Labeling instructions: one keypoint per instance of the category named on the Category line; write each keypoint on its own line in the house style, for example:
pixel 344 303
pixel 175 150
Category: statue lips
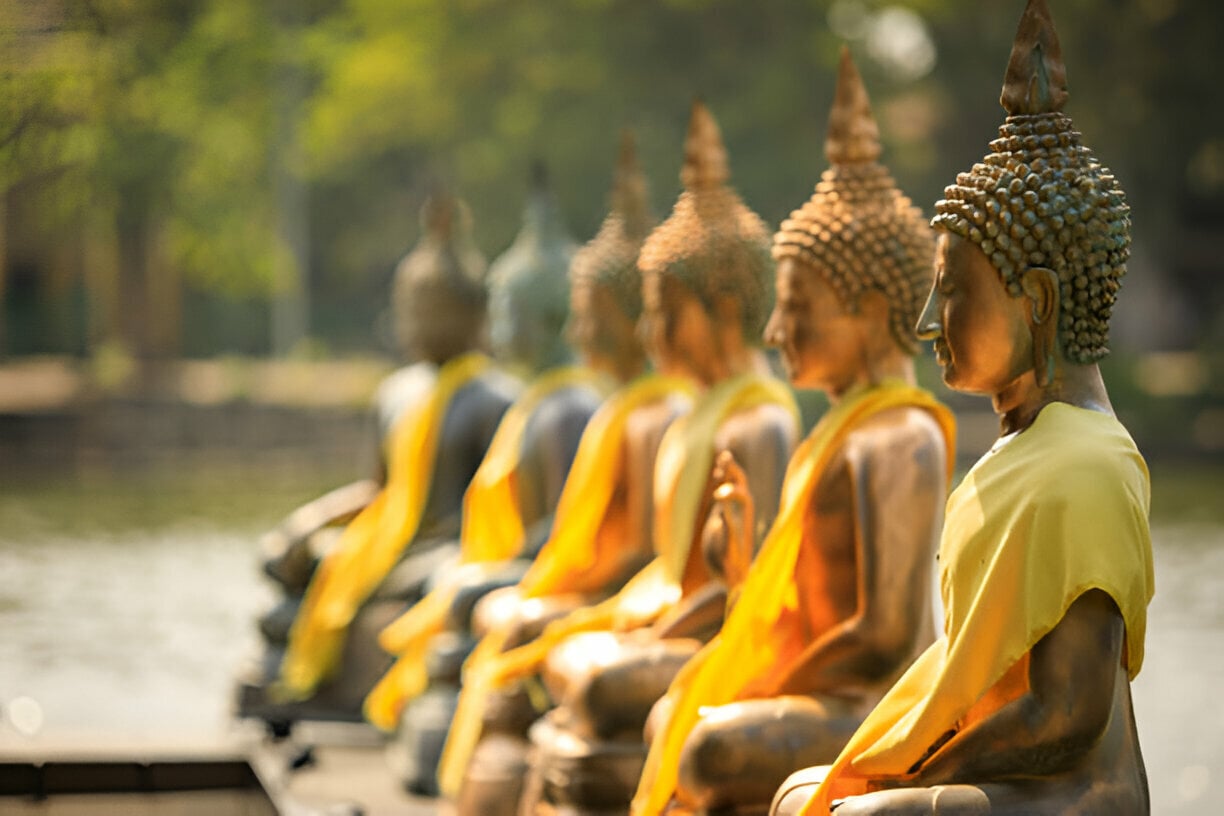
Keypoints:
pixel 942 356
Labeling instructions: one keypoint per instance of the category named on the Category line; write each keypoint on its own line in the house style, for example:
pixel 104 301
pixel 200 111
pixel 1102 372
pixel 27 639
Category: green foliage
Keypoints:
pixel 204 120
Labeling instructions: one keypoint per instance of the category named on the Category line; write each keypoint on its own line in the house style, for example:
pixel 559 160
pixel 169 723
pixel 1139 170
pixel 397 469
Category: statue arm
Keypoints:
pixel 551 443
pixel 761 444
pixel 897 478
pixel 1064 712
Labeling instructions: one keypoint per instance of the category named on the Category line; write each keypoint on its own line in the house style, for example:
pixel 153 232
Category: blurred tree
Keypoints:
pixel 279 150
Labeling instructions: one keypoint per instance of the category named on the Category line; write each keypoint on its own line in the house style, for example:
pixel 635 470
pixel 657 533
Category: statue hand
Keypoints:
pixel 729 529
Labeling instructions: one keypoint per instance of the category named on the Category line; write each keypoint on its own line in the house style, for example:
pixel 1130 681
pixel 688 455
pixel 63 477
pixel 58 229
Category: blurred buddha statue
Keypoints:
pixel 838 602
pixel 601 534
pixel 436 417
pixel 706 275
pixel 1024 705
pixel 509 505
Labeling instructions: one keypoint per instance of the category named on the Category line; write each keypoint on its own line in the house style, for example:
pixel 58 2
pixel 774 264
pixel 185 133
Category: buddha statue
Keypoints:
pixel 509 505
pixel 383 536
pixel 601 533
pixel 1024 704
pixel 837 603
pixel 706 275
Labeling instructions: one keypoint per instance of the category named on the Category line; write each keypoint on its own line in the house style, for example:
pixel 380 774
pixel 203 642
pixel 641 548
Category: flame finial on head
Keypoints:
pixel 1041 198
pixel 712 243
pixel 853 134
pixel 438 213
pixel 438 291
pixel 858 231
pixel 610 258
pixel 629 197
pixel 705 156
pixel 1036 79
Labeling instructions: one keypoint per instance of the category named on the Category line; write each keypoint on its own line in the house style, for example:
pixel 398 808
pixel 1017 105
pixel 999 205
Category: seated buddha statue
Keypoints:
pixel 601 532
pixel 436 416
pixel 706 275
pixel 509 505
pixel 837 603
pixel 1023 706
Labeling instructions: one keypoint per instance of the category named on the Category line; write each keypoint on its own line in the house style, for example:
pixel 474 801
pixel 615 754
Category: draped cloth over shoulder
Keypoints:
pixel 373 542
pixel 492 532
pixel 682 470
pixel 763 633
pixel 1057 510
pixel 571 553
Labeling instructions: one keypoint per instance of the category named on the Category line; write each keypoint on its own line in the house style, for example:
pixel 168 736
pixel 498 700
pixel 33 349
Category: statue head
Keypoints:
pixel 438 294
pixel 1045 216
pixel 706 271
pixel 605 285
pixel 854 262
pixel 528 288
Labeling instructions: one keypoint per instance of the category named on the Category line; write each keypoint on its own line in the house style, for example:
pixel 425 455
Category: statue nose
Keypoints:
pixel 929 325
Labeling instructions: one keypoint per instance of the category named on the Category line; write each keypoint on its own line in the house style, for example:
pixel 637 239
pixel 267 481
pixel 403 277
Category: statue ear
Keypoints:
pixel 873 304
pixel 727 310
pixel 1040 286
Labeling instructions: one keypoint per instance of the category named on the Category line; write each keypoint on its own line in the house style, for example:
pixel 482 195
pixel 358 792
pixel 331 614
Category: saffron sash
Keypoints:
pixel 492 532
pixel 570 553
pixel 682 470
pixel 757 638
pixel 1048 514
pixel 374 540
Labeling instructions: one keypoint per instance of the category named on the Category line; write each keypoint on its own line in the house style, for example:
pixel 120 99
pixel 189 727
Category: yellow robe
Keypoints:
pixel 570 554
pixel 492 532
pixel 1048 514
pixel 682 470
pixel 763 633
pixel 373 542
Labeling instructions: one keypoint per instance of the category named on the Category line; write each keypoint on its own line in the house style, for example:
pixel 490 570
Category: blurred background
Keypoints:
pixel 202 203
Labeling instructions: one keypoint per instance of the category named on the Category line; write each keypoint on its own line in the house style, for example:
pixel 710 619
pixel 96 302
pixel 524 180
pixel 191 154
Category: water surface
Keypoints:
pixel 127 605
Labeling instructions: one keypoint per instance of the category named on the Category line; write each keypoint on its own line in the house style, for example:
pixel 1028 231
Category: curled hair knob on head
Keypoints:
pixel 1041 198
pixel 712 242
pixel 857 231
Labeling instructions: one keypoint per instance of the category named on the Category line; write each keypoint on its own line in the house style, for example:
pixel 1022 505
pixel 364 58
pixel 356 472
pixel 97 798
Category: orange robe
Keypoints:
pixel 492 532
pixel 372 543
pixel 765 631
pixel 571 559
pixel 682 471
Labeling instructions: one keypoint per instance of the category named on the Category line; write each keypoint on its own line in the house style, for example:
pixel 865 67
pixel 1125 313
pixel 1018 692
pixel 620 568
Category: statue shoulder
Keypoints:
pixel 565 410
pixel 905 433
pixel 401 388
pixel 650 421
pixel 766 426
pixel 483 400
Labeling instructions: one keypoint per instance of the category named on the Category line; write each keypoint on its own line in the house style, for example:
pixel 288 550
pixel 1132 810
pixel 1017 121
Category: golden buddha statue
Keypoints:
pixel 837 603
pixel 383 536
pixel 509 504
pixel 601 533
pixel 1024 705
pixel 705 289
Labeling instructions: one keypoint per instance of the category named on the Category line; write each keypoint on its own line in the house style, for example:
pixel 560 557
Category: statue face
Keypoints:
pixel 601 332
pixel 820 340
pixel 677 331
pixel 437 326
pixel 982 337
pixel 519 331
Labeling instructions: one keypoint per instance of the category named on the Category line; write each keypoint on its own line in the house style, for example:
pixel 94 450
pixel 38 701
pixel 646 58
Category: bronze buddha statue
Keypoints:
pixel 837 603
pixel 1024 705
pixel 706 276
pixel 509 504
pixel 438 301
pixel 601 534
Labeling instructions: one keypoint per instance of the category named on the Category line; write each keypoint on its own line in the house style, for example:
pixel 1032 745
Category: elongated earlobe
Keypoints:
pixel 1040 285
